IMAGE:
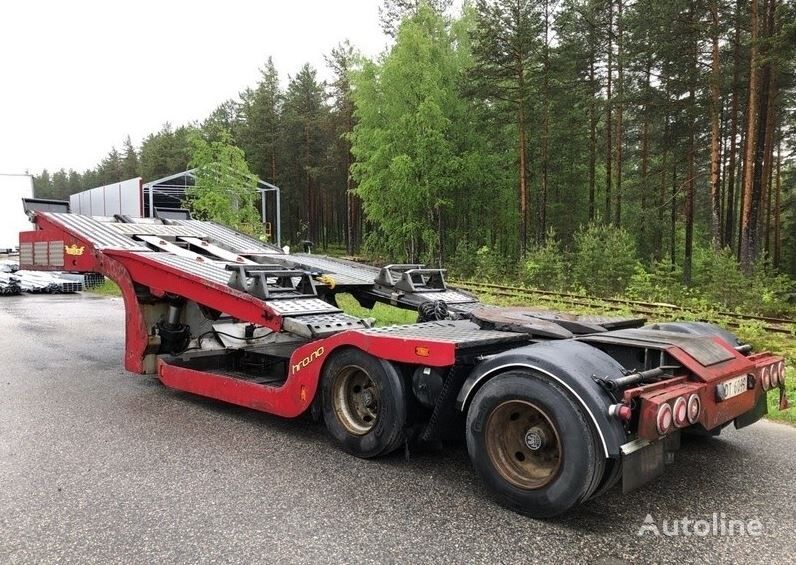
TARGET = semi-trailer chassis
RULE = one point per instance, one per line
(556, 408)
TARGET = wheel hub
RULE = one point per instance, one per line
(523, 444)
(535, 439)
(355, 398)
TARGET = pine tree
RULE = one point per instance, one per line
(343, 60)
(506, 49)
(129, 166)
(303, 144)
(392, 12)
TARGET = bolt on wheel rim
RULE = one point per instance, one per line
(356, 400)
(523, 444)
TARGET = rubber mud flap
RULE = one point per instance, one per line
(642, 465)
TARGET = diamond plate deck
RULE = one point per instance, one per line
(207, 269)
(155, 229)
(462, 333)
(322, 325)
(99, 234)
(300, 306)
(344, 272)
(228, 238)
(449, 296)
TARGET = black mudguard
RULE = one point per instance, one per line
(570, 363)
(698, 328)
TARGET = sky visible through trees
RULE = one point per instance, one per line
(506, 123)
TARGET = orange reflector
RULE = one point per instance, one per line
(422, 351)
(303, 394)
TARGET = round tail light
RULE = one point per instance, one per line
(694, 408)
(680, 411)
(765, 377)
(781, 366)
(664, 418)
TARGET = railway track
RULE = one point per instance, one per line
(655, 310)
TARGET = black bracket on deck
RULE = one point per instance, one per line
(271, 282)
(411, 278)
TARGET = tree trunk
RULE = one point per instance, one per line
(715, 151)
(592, 138)
(545, 128)
(311, 212)
(748, 219)
(645, 130)
(349, 191)
(729, 222)
(673, 224)
(658, 242)
(768, 127)
(688, 211)
(725, 142)
(768, 159)
(619, 108)
(778, 208)
(608, 121)
(690, 160)
(741, 176)
(523, 179)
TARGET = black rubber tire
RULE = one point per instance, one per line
(582, 463)
(388, 431)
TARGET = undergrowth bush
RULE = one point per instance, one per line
(718, 283)
(492, 266)
(604, 259)
(662, 282)
(603, 262)
(720, 280)
(545, 266)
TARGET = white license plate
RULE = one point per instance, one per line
(733, 387)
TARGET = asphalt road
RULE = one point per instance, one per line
(101, 466)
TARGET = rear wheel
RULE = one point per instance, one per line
(532, 445)
(364, 404)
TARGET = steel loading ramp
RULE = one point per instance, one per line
(214, 253)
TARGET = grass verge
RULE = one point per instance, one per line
(107, 288)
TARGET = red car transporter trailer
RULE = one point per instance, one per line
(557, 408)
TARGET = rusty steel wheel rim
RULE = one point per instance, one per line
(355, 398)
(523, 444)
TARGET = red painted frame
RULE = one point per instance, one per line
(297, 393)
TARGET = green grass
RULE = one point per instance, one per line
(384, 314)
(107, 288)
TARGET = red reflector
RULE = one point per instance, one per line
(680, 412)
(664, 419)
(694, 408)
(766, 377)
